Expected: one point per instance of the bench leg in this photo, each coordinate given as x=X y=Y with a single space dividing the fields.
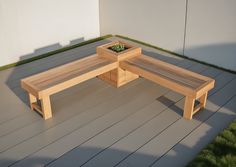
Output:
x=188 y=107
x=32 y=100
x=203 y=99
x=46 y=107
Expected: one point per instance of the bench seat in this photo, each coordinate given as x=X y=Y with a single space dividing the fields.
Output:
x=42 y=85
x=192 y=85
x=117 y=69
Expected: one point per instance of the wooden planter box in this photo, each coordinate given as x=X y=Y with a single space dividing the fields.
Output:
x=118 y=77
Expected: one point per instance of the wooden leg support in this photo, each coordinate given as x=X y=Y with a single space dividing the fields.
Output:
x=32 y=100
x=46 y=107
x=203 y=100
x=188 y=107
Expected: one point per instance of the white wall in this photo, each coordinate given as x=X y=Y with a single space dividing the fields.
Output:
x=211 y=32
x=159 y=22
x=32 y=27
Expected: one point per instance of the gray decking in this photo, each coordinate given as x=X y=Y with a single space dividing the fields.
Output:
x=94 y=124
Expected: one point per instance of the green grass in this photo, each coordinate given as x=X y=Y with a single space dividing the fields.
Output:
x=54 y=52
x=221 y=152
x=102 y=38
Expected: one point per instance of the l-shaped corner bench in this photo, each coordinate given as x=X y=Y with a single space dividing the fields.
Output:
x=117 y=69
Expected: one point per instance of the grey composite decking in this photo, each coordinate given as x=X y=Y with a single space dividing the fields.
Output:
x=94 y=124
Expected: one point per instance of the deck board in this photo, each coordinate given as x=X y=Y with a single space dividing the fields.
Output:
x=95 y=124
x=24 y=162
x=83 y=133
x=166 y=140
x=82 y=100
x=144 y=134
x=193 y=143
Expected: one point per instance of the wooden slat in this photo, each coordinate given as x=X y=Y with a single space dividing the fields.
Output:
x=68 y=75
x=37 y=108
x=167 y=72
x=173 y=77
x=156 y=78
x=80 y=78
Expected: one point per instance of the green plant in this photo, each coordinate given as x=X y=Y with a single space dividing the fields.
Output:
x=219 y=153
x=118 y=47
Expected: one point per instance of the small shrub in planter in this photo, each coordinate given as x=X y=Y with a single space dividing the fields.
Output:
x=118 y=48
x=118 y=51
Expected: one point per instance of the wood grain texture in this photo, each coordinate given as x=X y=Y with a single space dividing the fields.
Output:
x=118 y=69
x=44 y=84
x=190 y=84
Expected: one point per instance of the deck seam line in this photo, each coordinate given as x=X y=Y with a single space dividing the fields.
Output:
x=98 y=132
x=141 y=124
x=102 y=88
x=194 y=64
x=132 y=130
x=37 y=120
x=61 y=137
x=23 y=114
x=207 y=68
x=168 y=126
x=56 y=125
x=46 y=130
x=193 y=130
x=94 y=136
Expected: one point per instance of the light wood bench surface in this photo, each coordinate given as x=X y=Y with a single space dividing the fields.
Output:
x=192 y=85
x=117 y=69
x=42 y=85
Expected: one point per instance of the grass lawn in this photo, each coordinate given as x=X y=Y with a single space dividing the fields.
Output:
x=221 y=152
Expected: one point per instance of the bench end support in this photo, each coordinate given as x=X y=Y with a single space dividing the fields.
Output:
x=190 y=109
x=44 y=109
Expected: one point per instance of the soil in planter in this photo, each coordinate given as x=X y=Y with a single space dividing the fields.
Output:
x=119 y=49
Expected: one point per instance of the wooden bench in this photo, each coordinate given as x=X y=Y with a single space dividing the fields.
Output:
x=190 y=84
x=117 y=69
x=42 y=85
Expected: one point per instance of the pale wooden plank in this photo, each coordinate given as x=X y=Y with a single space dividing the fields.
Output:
x=167 y=71
x=65 y=76
x=178 y=79
x=166 y=140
